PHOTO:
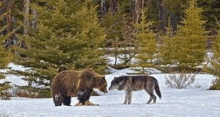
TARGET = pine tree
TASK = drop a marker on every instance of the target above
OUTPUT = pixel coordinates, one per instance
(119, 27)
(68, 36)
(5, 58)
(215, 68)
(211, 12)
(113, 25)
(146, 41)
(167, 48)
(190, 39)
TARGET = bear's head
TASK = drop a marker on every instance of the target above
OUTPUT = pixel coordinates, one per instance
(101, 84)
(96, 79)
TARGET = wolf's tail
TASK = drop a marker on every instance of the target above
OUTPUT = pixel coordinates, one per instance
(157, 89)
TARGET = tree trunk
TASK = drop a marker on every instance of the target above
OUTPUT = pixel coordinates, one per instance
(33, 23)
(138, 4)
(113, 6)
(174, 20)
(142, 4)
(136, 10)
(9, 29)
(162, 16)
(26, 14)
(103, 7)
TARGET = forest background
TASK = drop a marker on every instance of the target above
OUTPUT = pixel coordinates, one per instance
(48, 36)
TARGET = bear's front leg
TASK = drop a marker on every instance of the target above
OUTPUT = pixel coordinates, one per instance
(66, 100)
(83, 97)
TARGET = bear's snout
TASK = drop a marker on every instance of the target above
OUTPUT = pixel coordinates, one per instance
(105, 91)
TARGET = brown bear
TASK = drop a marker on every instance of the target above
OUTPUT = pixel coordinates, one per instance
(70, 83)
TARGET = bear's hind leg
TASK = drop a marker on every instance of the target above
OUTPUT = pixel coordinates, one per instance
(66, 100)
(58, 99)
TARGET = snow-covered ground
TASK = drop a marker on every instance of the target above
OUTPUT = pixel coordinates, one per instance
(190, 102)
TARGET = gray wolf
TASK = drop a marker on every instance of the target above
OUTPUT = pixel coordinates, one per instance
(136, 83)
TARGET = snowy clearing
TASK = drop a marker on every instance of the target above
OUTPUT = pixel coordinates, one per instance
(190, 102)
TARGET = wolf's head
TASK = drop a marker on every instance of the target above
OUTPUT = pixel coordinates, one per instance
(117, 83)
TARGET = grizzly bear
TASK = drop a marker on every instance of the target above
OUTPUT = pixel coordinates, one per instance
(70, 83)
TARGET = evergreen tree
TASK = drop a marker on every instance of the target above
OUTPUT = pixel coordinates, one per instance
(67, 36)
(215, 68)
(174, 10)
(146, 41)
(5, 57)
(167, 48)
(191, 39)
(119, 27)
(211, 12)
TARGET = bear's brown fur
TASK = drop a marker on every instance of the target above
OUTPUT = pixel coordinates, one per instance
(69, 83)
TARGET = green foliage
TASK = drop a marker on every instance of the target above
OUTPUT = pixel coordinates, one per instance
(146, 41)
(167, 49)
(67, 35)
(190, 39)
(153, 11)
(119, 27)
(5, 58)
(175, 6)
(215, 68)
(211, 12)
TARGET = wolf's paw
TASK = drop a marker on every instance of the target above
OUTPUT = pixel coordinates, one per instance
(125, 104)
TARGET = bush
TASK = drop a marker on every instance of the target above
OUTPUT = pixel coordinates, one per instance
(119, 66)
(179, 69)
(180, 81)
(216, 84)
(31, 92)
(4, 96)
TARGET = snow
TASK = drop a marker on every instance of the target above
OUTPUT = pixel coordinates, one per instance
(14, 79)
(189, 102)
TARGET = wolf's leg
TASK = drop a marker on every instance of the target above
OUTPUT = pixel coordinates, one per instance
(152, 96)
(126, 97)
(129, 97)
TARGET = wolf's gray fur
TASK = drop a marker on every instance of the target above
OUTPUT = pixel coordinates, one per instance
(135, 83)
